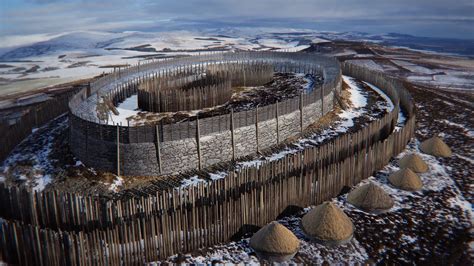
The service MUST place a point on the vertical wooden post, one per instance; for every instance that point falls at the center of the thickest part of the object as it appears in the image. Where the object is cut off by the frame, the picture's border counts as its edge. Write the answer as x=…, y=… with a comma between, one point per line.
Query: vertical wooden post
x=277, y=122
x=198, y=143
x=256, y=127
x=301, y=113
x=232, y=133
x=87, y=140
x=88, y=90
x=158, y=153
x=322, y=100
x=118, y=150
x=36, y=116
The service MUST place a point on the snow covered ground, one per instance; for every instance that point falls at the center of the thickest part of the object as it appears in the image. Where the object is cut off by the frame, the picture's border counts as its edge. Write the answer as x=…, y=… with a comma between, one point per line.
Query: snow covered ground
x=358, y=103
x=395, y=236
x=31, y=62
x=29, y=162
x=446, y=73
x=126, y=109
x=56, y=59
x=421, y=228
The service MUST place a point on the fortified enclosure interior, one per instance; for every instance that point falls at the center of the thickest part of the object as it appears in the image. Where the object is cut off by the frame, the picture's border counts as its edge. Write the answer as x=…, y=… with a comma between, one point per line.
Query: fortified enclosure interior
x=205, y=138
x=236, y=133
x=155, y=223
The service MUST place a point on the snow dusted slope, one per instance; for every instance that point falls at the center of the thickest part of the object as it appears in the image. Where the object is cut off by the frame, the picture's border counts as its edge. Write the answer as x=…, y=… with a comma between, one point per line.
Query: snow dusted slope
x=84, y=54
x=56, y=59
x=85, y=41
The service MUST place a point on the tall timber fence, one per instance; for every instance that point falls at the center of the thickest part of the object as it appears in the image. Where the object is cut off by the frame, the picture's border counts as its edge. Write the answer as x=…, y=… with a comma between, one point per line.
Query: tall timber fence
x=56, y=228
x=200, y=142
x=13, y=131
x=200, y=86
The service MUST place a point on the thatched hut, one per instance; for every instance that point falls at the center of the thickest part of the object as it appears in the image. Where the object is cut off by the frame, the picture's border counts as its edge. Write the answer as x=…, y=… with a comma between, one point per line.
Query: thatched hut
x=370, y=198
x=328, y=224
x=414, y=162
x=274, y=243
x=436, y=147
x=406, y=179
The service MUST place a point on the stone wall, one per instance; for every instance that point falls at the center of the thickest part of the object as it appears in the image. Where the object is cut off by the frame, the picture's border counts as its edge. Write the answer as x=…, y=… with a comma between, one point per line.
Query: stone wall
x=245, y=141
x=94, y=153
x=216, y=148
x=328, y=102
x=178, y=147
x=171, y=148
x=312, y=112
x=179, y=155
x=135, y=158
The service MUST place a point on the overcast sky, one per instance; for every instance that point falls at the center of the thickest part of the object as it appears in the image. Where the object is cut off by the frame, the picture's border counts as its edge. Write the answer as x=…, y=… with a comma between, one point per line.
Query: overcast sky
x=437, y=18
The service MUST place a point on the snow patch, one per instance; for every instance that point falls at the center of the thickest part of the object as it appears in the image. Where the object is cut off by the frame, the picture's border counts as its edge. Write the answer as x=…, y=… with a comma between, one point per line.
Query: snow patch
x=29, y=162
x=390, y=106
x=192, y=181
x=116, y=184
x=469, y=132
x=131, y=103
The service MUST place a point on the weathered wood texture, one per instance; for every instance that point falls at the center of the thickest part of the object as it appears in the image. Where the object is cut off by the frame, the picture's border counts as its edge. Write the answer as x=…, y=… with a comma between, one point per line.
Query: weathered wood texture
x=53, y=228
x=13, y=131
x=194, y=87
x=249, y=135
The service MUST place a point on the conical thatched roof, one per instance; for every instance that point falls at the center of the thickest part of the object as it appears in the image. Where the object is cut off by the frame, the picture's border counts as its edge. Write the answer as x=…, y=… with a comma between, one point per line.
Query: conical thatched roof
x=370, y=197
x=436, y=147
x=414, y=162
x=274, y=238
x=406, y=179
x=328, y=223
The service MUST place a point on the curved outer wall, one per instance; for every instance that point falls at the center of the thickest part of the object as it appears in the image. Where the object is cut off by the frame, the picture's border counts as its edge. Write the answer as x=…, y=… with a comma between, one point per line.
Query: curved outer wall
x=185, y=146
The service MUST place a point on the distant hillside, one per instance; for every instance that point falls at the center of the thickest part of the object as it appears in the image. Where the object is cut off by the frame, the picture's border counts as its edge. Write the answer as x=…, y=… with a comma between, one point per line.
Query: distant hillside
x=80, y=41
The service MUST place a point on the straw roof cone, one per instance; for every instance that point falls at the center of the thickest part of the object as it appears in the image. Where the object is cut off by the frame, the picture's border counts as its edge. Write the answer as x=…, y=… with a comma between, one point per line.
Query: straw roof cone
x=328, y=224
x=370, y=197
x=406, y=179
x=436, y=147
x=275, y=242
x=414, y=162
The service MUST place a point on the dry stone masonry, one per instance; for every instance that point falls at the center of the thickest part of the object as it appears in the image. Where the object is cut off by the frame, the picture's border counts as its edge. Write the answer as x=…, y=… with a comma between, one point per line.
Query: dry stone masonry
x=195, y=144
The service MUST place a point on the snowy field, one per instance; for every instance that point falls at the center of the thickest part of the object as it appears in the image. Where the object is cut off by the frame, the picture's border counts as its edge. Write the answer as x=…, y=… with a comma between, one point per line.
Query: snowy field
x=33, y=62
x=71, y=56
x=402, y=235
x=446, y=74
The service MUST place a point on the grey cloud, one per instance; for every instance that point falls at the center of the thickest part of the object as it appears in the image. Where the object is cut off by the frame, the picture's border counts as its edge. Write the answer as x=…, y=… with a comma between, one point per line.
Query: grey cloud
x=56, y=16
